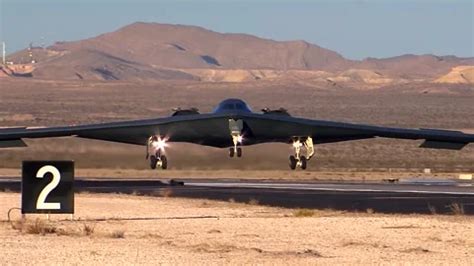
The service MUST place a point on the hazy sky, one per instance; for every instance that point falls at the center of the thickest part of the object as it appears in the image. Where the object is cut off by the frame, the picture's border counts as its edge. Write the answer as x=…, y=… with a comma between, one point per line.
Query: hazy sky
x=356, y=29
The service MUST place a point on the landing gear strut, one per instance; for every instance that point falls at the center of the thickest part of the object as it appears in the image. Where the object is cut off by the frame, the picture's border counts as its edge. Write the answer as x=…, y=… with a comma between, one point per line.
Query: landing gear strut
x=154, y=152
x=235, y=127
x=299, y=160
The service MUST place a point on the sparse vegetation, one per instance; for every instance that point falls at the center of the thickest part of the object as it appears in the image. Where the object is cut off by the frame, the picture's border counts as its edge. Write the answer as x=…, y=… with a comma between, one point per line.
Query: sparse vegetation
x=166, y=192
x=432, y=209
x=456, y=208
x=303, y=213
x=39, y=227
x=351, y=243
x=435, y=239
x=88, y=230
x=152, y=235
x=360, y=243
x=416, y=250
x=67, y=231
x=43, y=227
x=400, y=227
x=118, y=234
x=18, y=224
x=253, y=202
x=311, y=253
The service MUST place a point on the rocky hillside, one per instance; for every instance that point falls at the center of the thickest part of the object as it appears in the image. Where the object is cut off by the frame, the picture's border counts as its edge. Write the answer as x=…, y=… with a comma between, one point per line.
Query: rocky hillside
x=152, y=51
x=459, y=75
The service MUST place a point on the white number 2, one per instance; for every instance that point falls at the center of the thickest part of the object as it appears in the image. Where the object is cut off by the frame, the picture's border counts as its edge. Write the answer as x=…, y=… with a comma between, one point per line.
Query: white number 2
x=40, y=203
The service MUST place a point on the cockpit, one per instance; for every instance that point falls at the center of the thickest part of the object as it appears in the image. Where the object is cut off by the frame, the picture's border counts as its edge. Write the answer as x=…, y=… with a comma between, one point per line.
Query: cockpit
x=232, y=105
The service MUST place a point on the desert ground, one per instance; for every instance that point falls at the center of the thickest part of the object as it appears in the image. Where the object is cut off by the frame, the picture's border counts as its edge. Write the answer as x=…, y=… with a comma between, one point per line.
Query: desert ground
x=133, y=229
x=46, y=103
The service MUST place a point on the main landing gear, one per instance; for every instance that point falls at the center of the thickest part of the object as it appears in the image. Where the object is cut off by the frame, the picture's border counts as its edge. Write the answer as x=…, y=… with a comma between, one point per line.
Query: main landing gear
x=298, y=160
x=154, y=152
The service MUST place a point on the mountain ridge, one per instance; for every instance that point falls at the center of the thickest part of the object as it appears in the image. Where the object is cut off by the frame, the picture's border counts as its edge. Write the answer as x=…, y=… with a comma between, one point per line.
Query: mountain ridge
x=155, y=51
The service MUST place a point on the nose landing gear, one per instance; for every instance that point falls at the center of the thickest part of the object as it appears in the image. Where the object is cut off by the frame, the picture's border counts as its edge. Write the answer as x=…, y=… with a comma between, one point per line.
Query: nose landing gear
x=154, y=152
x=235, y=151
x=235, y=127
x=299, y=160
x=159, y=161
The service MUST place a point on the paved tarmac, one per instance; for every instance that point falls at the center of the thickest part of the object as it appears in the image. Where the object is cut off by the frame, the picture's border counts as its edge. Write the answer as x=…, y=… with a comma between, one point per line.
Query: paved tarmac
x=406, y=196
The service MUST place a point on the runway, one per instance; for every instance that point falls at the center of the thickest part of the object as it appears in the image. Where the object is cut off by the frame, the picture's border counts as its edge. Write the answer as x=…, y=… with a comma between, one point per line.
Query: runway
x=407, y=196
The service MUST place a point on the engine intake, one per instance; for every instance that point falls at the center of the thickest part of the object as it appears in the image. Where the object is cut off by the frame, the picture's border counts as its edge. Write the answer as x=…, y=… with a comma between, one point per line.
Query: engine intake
x=190, y=111
x=280, y=111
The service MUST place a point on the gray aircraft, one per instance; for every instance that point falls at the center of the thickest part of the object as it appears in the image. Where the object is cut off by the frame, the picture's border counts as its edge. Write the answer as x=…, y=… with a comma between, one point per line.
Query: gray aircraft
x=232, y=124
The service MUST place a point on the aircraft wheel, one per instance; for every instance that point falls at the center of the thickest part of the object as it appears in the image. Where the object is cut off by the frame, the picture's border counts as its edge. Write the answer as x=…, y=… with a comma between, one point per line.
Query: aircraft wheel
x=239, y=152
x=153, y=162
x=164, y=162
x=231, y=152
x=293, y=162
x=304, y=162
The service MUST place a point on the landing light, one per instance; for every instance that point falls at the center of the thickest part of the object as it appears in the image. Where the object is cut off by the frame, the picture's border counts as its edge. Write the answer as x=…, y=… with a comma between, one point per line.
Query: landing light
x=297, y=144
x=240, y=139
x=160, y=144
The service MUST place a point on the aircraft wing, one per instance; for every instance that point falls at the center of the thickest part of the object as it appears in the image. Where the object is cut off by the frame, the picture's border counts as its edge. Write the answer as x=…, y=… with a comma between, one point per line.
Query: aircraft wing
x=198, y=129
x=329, y=131
x=213, y=130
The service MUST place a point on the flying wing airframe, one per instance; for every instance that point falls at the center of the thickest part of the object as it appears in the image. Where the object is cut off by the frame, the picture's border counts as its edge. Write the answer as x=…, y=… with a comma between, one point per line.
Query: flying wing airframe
x=233, y=125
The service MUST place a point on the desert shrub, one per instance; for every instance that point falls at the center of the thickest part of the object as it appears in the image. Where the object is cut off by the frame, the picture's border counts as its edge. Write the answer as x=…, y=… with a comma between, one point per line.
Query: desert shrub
x=118, y=234
x=88, y=229
x=303, y=213
x=456, y=208
x=39, y=227
x=253, y=202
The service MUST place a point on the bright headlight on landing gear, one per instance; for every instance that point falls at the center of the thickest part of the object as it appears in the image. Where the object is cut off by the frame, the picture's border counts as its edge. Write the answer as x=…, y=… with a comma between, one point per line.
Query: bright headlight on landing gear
x=240, y=139
x=160, y=144
x=297, y=144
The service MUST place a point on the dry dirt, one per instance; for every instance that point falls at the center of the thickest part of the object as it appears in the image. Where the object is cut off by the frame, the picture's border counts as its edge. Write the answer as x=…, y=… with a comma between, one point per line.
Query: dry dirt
x=127, y=229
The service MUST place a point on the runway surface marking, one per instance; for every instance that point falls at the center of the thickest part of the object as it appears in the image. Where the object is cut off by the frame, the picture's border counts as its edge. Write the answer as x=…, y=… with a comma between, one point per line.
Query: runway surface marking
x=324, y=187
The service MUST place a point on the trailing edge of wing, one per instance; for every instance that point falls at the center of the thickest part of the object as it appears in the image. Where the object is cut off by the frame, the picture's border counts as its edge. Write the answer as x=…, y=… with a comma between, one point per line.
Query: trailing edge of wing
x=443, y=145
x=433, y=138
x=12, y=143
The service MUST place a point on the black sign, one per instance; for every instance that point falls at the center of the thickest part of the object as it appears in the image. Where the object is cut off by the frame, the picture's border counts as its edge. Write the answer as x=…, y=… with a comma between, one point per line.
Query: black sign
x=47, y=187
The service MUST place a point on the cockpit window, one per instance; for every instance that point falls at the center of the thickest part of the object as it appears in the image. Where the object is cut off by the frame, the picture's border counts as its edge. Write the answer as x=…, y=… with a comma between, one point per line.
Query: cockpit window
x=232, y=105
